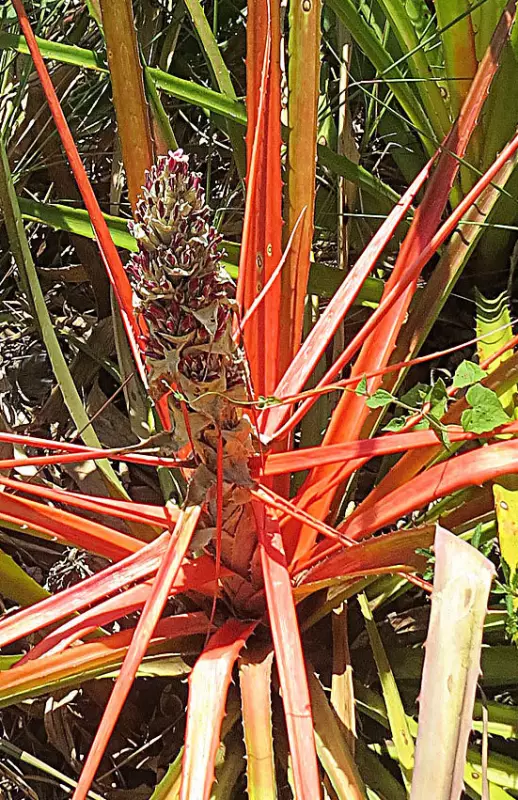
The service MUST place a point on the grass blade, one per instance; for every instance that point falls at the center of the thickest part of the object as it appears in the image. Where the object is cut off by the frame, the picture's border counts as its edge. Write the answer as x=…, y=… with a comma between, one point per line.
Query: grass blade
x=222, y=77
x=401, y=735
x=404, y=29
x=458, y=43
x=323, y=280
x=332, y=749
x=366, y=39
x=17, y=585
x=11, y=751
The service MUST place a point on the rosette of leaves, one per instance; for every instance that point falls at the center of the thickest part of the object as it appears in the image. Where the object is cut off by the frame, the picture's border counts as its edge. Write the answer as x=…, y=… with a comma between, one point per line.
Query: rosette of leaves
x=187, y=302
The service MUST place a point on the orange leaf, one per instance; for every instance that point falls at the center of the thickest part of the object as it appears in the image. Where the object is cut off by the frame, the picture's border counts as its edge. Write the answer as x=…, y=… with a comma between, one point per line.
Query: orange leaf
x=176, y=549
x=208, y=687
x=289, y=656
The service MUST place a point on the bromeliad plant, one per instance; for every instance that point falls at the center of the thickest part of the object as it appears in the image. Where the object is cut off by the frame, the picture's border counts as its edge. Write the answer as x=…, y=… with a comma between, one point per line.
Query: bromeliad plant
x=227, y=372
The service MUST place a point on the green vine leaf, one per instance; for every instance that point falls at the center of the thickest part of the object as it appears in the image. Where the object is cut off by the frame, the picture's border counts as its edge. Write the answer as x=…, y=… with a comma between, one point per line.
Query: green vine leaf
x=416, y=396
x=486, y=412
x=395, y=425
x=466, y=374
x=361, y=389
x=380, y=399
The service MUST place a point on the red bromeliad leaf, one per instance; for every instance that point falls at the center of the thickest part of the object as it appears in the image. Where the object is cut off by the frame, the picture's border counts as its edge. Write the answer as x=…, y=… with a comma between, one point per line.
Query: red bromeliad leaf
x=67, y=528
x=315, y=344
x=176, y=549
x=468, y=469
x=411, y=463
x=351, y=412
x=392, y=552
x=151, y=515
x=83, y=453
x=78, y=627
x=285, y=508
x=199, y=574
x=109, y=252
x=393, y=296
x=306, y=458
x=208, y=687
x=262, y=229
x=134, y=567
x=86, y=661
x=117, y=454
x=289, y=656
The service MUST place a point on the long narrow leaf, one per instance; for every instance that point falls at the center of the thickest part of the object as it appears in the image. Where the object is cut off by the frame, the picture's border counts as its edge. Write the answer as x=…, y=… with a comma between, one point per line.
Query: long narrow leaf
x=88, y=661
x=221, y=74
x=401, y=735
x=332, y=748
x=289, y=657
x=441, y=480
x=255, y=674
x=262, y=227
x=208, y=687
x=310, y=352
x=132, y=112
x=25, y=263
x=461, y=587
x=303, y=80
x=112, y=579
x=176, y=549
x=67, y=528
x=351, y=413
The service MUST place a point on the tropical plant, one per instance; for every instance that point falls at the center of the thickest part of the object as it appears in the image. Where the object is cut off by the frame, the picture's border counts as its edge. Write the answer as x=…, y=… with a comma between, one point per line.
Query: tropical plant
x=243, y=411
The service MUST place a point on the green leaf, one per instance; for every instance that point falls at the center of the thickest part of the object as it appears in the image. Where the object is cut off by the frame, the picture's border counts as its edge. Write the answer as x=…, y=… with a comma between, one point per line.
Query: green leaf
x=343, y=166
x=395, y=424
x=438, y=399
x=380, y=399
x=364, y=36
x=440, y=430
x=486, y=412
x=361, y=389
x=416, y=396
x=221, y=75
x=467, y=374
